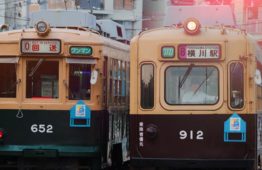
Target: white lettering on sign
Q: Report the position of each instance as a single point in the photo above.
(199, 51)
(141, 134)
(40, 46)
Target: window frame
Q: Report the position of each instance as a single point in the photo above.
(230, 87)
(18, 81)
(204, 108)
(68, 78)
(123, 5)
(193, 104)
(59, 82)
(140, 86)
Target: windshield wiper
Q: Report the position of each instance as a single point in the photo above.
(39, 62)
(184, 78)
(207, 77)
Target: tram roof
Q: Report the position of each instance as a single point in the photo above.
(173, 33)
(67, 35)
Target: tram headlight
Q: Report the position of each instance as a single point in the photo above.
(42, 28)
(151, 131)
(192, 26)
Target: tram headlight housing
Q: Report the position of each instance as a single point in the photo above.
(42, 28)
(192, 26)
(151, 131)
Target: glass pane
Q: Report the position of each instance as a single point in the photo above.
(79, 81)
(191, 85)
(129, 4)
(89, 4)
(147, 86)
(118, 4)
(42, 79)
(8, 80)
(236, 85)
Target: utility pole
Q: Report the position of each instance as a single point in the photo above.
(77, 4)
(65, 1)
(15, 6)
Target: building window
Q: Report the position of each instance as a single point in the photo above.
(8, 80)
(124, 4)
(42, 79)
(119, 81)
(236, 85)
(91, 4)
(147, 86)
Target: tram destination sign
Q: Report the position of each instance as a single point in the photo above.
(192, 51)
(42, 46)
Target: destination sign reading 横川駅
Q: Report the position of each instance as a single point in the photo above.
(81, 50)
(187, 51)
(31, 46)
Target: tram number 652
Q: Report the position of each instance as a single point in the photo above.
(192, 135)
(42, 128)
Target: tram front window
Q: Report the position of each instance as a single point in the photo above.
(41, 79)
(8, 80)
(79, 81)
(191, 85)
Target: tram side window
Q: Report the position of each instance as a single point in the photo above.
(147, 86)
(79, 81)
(8, 80)
(111, 83)
(42, 79)
(236, 85)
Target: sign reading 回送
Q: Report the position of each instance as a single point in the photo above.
(34, 46)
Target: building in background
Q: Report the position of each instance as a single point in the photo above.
(247, 13)
(2, 12)
(153, 13)
(135, 15)
(14, 13)
(125, 12)
(252, 16)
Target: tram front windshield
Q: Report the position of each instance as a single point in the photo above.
(79, 81)
(42, 79)
(191, 85)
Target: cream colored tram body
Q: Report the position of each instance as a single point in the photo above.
(63, 99)
(193, 100)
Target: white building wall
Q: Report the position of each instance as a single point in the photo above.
(14, 13)
(154, 13)
(2, 13)
(239, 11)
(131, 19)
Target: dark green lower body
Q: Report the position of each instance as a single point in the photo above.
(194, 141)
(42, 139)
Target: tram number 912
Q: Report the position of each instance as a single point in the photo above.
(41, 128)
(192, 135)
